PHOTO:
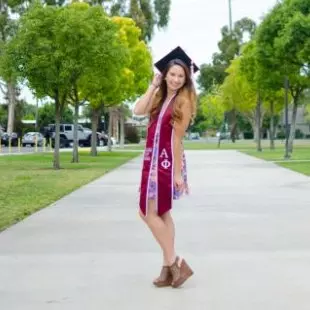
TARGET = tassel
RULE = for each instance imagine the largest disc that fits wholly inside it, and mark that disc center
(192, 69)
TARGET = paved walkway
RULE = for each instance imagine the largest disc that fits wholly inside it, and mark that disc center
(245, 231)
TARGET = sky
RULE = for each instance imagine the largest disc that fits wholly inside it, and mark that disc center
(195, 25)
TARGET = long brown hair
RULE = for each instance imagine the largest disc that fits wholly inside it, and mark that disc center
(186, 94)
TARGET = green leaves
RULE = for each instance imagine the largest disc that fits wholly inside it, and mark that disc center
(236, 91)
(162, 9)
(283, 41)
(295, 39)
(56, 48)
(147, 14)
(211, 108)
(230, 47)
(46, 115)
(35, 52)
(137, 73)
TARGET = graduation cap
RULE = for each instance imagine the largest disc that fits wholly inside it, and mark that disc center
(176, 54)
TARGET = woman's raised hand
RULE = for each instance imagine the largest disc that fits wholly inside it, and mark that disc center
(157, 80)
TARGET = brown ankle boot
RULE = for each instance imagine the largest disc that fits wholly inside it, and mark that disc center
(165, 277)
(180, 272)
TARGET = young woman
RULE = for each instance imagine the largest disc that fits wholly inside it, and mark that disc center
(170, 103)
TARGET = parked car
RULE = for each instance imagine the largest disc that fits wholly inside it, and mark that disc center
(31, 138)
(66, 135)
(103, 138)
(5, 138)
(194, 136)
(223, 135)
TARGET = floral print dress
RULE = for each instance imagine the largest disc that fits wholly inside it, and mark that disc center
(152, 189)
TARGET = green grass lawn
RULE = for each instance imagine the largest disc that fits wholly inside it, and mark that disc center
(299, 153)
(299, 162)
(303, 168)
(28, 182)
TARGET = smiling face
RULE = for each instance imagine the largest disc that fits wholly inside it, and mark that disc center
(175, 78)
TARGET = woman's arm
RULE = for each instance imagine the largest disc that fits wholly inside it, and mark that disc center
(179, 132)
(144, 104)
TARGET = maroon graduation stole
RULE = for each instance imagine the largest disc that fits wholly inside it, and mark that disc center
(158, 162)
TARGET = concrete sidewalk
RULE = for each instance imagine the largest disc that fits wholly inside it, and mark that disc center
(244, 229)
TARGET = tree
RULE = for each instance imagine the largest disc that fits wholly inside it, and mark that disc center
(259, 81)
(100, 91)
(211, 74)
(9, 85)
(283, 48)
(138, 73)
(38, 57)
(274, 104)
(307, 114)
(130, 80)
(9, 77)
(47, 52)
(3, 115)
(201, 122)
(212, 110)
(96, 55)
(229, 47)
(242, 95)
(46, 115)
(23, 111)
(306, 103)
(146, 13)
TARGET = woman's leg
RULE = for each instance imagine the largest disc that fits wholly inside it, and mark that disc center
(171, 255)
(162, 229)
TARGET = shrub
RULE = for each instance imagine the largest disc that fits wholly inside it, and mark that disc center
(248, 135)
(299, 134)
(281, 135)
(131, 134)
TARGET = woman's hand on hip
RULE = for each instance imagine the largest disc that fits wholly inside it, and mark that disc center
(178, 182)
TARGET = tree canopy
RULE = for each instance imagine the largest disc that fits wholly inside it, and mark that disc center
(56, 47)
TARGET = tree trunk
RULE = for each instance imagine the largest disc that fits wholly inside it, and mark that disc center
(233, 125)
(272, 126)
(122, 128)
(11, 106)
(251, 119)
(258, 124)
(57, 127)
(253, 126)
(75, 152)
(293, 126)
(110, 129)
(219, 141)
(94, 126)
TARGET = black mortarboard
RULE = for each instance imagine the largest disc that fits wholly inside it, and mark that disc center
(177, 53)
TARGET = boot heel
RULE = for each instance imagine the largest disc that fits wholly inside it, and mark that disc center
(186, 269)
(180, 274)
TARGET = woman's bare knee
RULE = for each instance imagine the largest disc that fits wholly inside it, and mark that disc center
(167, 216)
(146, 217)
(150, 212)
